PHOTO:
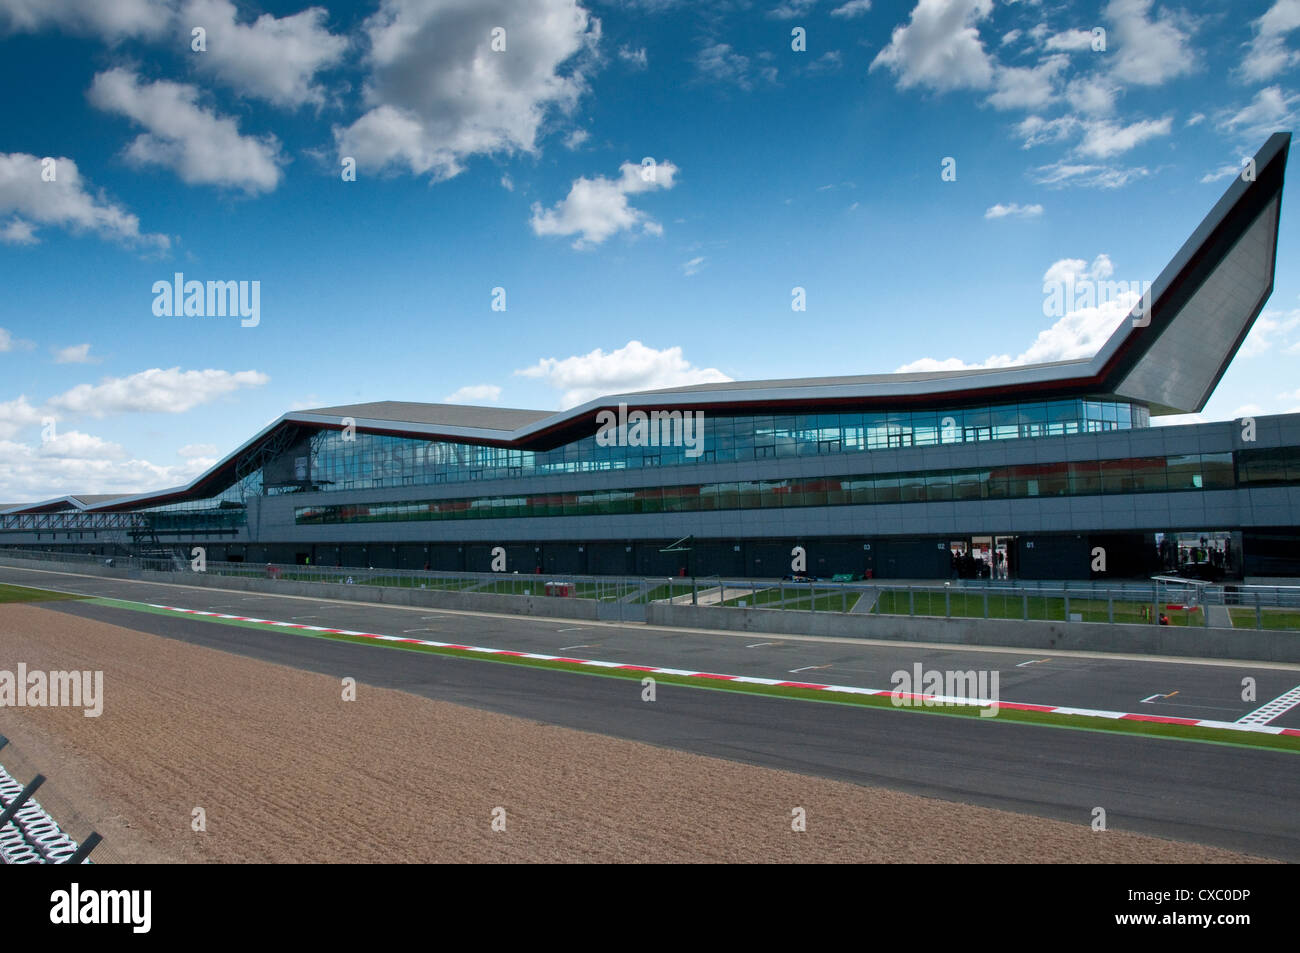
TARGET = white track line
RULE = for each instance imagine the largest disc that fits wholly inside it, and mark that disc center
(1275, 709)
(670, 630)
(1150, 699)
(716, 677)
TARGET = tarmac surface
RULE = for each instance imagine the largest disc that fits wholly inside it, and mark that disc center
(1213, 794)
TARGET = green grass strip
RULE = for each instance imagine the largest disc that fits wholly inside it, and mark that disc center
(1239, 739)
(27, 594)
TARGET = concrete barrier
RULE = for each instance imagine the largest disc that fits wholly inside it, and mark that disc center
(546, 606)
(1171, 640)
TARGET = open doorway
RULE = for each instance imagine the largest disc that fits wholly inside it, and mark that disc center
(983, 557)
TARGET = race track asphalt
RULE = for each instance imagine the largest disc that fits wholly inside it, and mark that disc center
(1222, 795)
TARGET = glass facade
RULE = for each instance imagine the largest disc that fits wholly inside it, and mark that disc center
(227, 510)
(1277, 466)
(1204, 471)
(374, 461)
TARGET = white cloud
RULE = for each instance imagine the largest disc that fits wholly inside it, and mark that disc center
(74, 443)
(1272, 329)
(170, 391)
(28, 473)
(854, 8)
(75, 354)
(1269, 111)
(1014, 210)
(1037, 131)
(112, 20)
(574, 140)
(1077, 335)
(1070, 41)
(1178, 420)
(693, 266)
(1195, 119)
(829, 61)
(789, 9)
(507, 183)
(1062, 174)
(1092, 95)
(191, 450)
(17, 414)
(474, 394)
(930, 364)
(273, 59)
(437, 93)
(1147, 52)
(1222, 172)
(197, 144)
(1268, 53)
(598, 208)
(940, 47)
(636, 59)
(1019, 87)
(1010, 37)
(722, 64)
(67, 202)
(1103, 138)
(10, 343)
(18, 232)
(633, 367)
(1071, 271)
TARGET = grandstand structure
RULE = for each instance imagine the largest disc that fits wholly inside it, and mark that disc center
(1031, 468)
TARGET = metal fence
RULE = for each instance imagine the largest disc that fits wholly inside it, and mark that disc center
(1174, 602)
(1155, 602)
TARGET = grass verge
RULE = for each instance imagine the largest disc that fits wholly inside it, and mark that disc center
(26, 594)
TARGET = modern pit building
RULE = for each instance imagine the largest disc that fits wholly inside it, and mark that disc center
(887, 474)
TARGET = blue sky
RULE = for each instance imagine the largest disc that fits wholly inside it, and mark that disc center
(521, 169)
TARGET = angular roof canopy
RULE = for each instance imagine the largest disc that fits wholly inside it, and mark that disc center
(1201, 307)
(502, 419)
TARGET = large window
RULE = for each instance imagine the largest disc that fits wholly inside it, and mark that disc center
(1269, 467)
(1184, 472)
(376, 460)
